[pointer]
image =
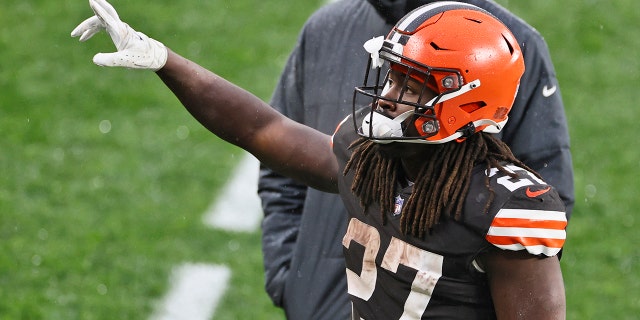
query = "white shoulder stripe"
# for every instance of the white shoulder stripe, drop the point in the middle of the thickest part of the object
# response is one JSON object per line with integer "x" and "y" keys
{"x": 527, "y": 233}
{"x": 532, "y": 214}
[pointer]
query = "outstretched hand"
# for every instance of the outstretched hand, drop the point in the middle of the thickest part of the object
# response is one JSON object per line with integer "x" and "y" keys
{"x": 134, "y": 49}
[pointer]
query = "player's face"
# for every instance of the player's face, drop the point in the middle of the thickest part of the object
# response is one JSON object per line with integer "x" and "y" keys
{"x": 413, "y": 92}
{"x": 395, "y": 89}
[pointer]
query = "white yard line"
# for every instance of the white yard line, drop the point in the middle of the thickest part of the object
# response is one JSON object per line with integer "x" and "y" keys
{"x": 238, "y": 207}
{"x": 196, "y": 289}
{"x": 194, "y": 292}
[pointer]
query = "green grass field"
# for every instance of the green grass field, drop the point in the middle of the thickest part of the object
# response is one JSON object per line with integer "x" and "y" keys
{"x": 104, "y": 177}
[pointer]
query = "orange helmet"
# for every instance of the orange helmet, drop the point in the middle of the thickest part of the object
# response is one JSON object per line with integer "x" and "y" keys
{"x": 466, "y": 56}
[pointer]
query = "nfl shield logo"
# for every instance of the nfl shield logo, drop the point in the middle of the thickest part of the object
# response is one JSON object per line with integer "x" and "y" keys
{"x": 398, "y": 207}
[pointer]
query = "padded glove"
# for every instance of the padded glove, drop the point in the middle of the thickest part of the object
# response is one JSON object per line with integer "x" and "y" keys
{"x": 135, "y": 49}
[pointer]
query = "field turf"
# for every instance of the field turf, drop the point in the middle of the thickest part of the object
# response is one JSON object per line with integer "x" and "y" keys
{"x": 104, "y": 177}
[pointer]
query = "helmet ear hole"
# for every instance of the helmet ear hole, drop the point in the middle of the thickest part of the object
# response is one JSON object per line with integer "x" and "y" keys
{"x": 473, "y": 106}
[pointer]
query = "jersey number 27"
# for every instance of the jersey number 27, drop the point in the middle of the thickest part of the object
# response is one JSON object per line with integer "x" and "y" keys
{"x": 427, "y": 264}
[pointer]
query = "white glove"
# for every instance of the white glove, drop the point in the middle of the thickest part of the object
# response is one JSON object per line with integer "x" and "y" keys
{"x": 135, "y": 49}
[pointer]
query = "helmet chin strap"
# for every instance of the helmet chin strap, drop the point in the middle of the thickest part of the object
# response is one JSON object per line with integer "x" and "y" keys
{"x": 492, "y": 127}
{"x": 382, "y": 126}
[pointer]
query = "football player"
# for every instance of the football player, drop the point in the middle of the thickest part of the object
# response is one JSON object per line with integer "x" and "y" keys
{"x": 303, "y": 227}
{"x": 444, "y": 221}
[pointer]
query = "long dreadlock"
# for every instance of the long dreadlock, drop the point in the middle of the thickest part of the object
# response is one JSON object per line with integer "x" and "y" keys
{"x": 442, "y": 183}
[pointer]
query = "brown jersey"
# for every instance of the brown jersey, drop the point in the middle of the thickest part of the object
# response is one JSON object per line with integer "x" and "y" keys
{"x": 396, "y": 276}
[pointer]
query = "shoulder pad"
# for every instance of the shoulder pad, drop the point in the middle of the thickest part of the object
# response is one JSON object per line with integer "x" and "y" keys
{"x": 533, "y": 218}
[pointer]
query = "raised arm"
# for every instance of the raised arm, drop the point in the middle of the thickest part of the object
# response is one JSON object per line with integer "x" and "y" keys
{"x": 242, "y": 119}
{"x": 227, "y": 110}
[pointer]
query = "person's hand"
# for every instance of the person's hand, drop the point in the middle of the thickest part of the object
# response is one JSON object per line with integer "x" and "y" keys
{"x": 135, "y": 49}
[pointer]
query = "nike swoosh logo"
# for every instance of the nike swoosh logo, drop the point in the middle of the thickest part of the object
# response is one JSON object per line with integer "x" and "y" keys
{"x": 533, "y": 194}
{"x": 547, "y": 92}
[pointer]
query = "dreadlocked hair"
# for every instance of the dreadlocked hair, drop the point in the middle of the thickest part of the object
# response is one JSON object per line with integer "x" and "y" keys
{"x": 442, "y": 182}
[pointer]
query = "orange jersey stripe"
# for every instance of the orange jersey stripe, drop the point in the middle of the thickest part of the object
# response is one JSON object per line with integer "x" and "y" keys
{"x": 537, "y": 231}
{"x": 528, "y": 223}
